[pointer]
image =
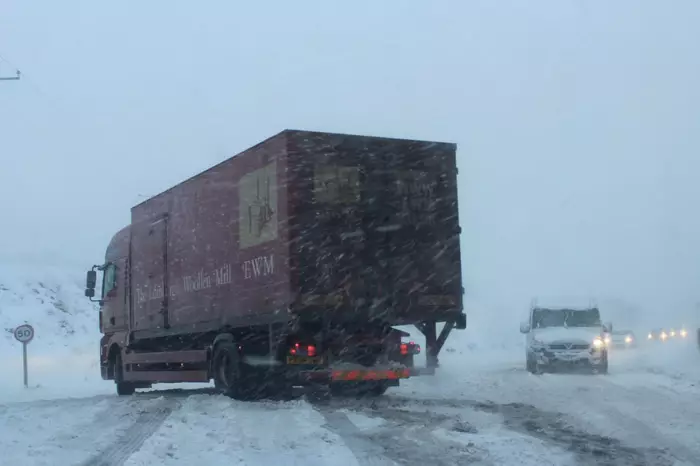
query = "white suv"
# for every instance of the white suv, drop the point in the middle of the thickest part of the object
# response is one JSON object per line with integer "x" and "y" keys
{"x": 562, "y": 337}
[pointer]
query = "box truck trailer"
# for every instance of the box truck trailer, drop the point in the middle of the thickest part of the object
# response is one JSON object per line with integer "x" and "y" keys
{"x": 288, "y": 266}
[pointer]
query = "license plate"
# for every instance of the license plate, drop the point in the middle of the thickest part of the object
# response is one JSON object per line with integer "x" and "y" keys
{"x": 305, "y": 360}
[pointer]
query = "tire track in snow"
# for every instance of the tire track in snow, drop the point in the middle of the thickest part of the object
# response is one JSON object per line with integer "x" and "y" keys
{"x": 551, "y": 427}
{"x": 404, "y": 439}
{"x": 653, "y": 427}
{"x": 134, "y": 436}
{"x": 367, "y": 453}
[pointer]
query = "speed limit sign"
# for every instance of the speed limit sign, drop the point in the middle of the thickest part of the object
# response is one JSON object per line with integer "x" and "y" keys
{"x": 24, "y": 333}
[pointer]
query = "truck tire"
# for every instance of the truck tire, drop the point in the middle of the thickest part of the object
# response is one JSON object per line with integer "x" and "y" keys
{"x": 123, "y": 388}
{"x": 378, "y": 390}
{"x": 231, "y": 375}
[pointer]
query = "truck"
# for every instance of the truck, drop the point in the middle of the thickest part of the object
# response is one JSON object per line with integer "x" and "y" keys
{"x": 287, "y": 267}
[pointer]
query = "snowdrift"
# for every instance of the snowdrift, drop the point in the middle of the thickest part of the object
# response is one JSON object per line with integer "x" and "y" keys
{"x": 64, "y": 352}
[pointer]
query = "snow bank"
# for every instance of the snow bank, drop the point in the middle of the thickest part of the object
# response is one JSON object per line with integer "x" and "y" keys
{"x": 63, "y": 357}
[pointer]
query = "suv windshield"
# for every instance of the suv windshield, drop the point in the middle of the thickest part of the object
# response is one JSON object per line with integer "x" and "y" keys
{"x": 542, "y": 318}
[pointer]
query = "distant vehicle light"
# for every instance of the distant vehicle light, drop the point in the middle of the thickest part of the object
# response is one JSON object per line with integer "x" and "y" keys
{"x": 684, "y": 333}
{"x": 628, "y": 339}
{"x": 650, "y": 336}
{"x": 663, "y": 335}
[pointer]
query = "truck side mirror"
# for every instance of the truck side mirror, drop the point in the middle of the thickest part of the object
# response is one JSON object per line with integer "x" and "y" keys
{"x": 461, "y": 322}
{"x": 524, "y": 327}
{"x": 608, "y": 327}
{"x": 90, "y": 292}
{"x": 91, "y": 280}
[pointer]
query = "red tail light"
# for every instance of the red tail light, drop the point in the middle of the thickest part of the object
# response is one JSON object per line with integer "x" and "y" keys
{"x": 409, "y": 348}
{"x": 306, "y": 350}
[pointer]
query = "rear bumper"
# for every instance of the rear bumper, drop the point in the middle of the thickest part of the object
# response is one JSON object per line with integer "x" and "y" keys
{"x": 369, "y": 374}
{"x": 306, "y": 377}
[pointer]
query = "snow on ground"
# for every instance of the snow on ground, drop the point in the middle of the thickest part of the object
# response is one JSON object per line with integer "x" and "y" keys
{"x": 648, "y": 401}
{"x": 243, "y": 433}
{"x": 482, "y": 407}
{"x": 66, "y": 432}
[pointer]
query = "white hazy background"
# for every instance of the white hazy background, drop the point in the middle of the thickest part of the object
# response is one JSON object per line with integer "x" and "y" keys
{"x": 577, "y": 122}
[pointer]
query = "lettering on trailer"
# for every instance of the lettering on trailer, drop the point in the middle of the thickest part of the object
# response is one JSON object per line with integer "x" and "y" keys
{"x": 337, "y": 191}
{"x": 260, "y": 266}
{"x": 417, "y": 196}
{"x": 157, "y": 292}
{"x": 201, "y": 280}
{"x": 335, "y": 184}
{"x": 339, "y": 187}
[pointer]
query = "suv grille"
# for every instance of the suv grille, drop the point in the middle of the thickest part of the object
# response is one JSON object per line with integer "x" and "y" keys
{"x": 577, "y": 346}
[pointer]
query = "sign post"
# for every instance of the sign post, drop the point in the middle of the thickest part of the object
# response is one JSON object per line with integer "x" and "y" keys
{"x": 24, "y": 334}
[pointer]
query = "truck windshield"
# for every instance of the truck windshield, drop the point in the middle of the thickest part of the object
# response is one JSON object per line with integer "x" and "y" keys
{"x": 542, "y": 318}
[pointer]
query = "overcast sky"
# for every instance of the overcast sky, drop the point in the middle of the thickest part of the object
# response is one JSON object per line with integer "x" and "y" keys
{"x": 578, "y": 122}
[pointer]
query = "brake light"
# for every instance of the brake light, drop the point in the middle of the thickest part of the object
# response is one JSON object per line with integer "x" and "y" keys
{"x": 409, "y": 348}
{"x": 306, "y": 350}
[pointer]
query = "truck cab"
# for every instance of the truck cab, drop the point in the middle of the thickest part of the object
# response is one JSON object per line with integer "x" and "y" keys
{"x": 565, "y": 337}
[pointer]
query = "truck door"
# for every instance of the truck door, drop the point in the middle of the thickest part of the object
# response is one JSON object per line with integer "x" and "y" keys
{"x": 114, "y": 296}
{"x": 149, "y": 256}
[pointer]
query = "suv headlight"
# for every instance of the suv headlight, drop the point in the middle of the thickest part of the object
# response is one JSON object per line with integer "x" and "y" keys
{"x": 598, "y": 343}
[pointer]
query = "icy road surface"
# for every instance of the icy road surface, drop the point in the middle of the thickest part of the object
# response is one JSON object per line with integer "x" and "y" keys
{"x": 476, "y": 411}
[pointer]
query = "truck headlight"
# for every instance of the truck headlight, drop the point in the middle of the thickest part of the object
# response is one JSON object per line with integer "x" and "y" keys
{"x": 628, "y": 339}
{"x": 598, "y": 343}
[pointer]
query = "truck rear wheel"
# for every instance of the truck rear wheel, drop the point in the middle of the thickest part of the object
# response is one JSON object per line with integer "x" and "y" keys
{"x": 231, "y": 375}
{"x": 378, "y": 390}
{"x": 123, "y": 388}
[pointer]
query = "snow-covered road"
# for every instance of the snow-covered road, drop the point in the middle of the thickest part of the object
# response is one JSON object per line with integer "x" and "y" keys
{"x": 475, "y": 411}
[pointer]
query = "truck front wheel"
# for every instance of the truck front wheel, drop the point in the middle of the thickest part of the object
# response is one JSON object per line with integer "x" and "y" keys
{"x": 123, "y": 388}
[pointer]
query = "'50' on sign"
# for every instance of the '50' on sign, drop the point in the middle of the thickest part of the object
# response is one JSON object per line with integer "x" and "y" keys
{"x": 24, "y": 333}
